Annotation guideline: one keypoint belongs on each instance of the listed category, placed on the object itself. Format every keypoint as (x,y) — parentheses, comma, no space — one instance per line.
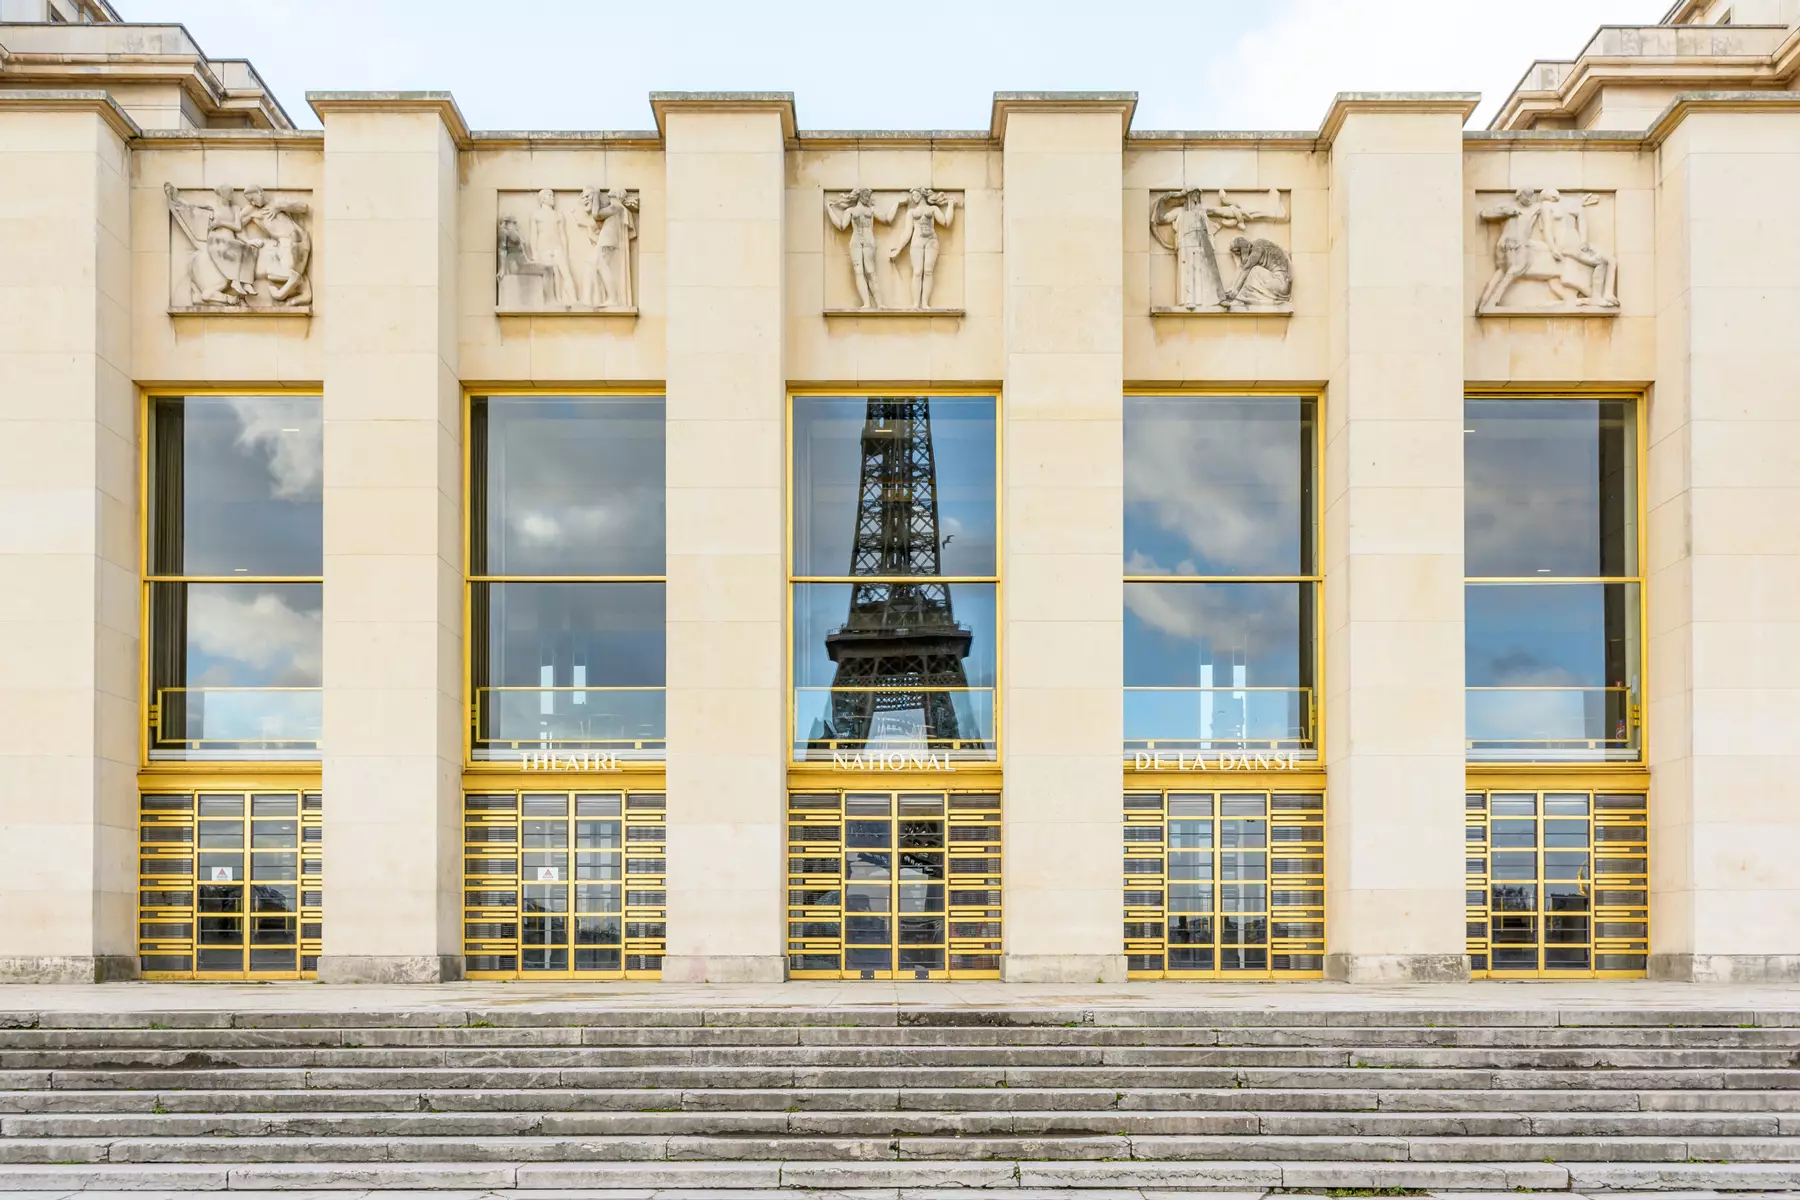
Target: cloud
(258,638)
(1262,620)
(289,431)
(1226,487)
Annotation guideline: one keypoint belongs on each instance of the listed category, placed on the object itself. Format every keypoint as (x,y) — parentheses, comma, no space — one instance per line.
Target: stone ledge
(1286,310)
(889,313)
(1563,310)
(567,312)
(216,310)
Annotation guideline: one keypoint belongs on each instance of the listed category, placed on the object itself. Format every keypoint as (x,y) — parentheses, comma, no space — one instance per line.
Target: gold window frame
(1539,787)
(976,931)
(803,772)
(489,774)
(1618,770)
(643,823)
(158,773)
(1171,777)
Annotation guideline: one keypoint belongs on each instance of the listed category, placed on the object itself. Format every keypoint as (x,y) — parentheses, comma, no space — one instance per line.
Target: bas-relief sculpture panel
(1229,255)
(566,251)
(227,256)
(883,280)
(1552,253)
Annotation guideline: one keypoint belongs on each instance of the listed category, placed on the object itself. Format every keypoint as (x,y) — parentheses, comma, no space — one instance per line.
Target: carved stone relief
(566,251)
(232,256)
(1551,253)
(1229,255)
(902,277)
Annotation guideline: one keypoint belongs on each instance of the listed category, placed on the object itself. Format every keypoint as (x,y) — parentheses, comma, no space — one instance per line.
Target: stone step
(1349,1037)
(1118,1078)
(1069,1147)
(973,1057)
(895,1124)
(1286,1017)
(551,1099)
(692,1177)
(1247,1175)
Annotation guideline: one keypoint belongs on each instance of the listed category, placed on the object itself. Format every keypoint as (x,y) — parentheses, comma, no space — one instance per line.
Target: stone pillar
(68,542)
(1723,676)
(725,156)
(1062,590)
(1393,541)
(393,741)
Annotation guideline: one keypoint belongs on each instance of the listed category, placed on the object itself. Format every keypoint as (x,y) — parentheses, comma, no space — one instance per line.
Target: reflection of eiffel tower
(897,635)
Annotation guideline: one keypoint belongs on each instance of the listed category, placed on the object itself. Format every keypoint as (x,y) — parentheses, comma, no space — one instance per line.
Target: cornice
(236,139)
(1223,139)
(565,139)
(1463,104)
(441,103)
(88,100)
(1687,103)
(895,139)
(663,103)
(1553,139)
(1007,103)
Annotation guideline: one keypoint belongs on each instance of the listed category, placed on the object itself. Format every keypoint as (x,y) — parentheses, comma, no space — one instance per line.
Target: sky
(591,64)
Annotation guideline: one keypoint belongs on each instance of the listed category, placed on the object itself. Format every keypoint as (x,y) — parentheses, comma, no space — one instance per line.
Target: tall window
(566,584)
(1220,584)
(894,570)
(1554,591)
(233,567)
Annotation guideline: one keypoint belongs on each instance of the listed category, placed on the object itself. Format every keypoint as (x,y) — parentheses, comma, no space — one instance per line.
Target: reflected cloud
(571,524)
(1230,616)
(1219,480)
(258,630)
(289,431)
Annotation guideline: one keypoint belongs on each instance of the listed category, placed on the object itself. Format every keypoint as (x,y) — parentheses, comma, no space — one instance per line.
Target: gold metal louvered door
(894,885)
(229,884)
(1225,885)
(564,885)
(1558,884)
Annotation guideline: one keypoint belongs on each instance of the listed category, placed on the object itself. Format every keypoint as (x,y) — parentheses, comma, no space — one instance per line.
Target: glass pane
(1218,665)
(1218,485)
(894,486)
(1551,487)
(905,668)
(566,485)
(572,666)
(1552,671)
(235,670)
(235,485)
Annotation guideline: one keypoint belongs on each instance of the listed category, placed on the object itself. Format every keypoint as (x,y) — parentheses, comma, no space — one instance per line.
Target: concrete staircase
(901,1097)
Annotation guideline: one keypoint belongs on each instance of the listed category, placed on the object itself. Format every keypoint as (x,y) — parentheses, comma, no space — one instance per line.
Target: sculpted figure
(857,211)
(514,260)
(1566,234)
(611,221)
(283,263)
(548,244)
(1197,278)
(1195,224)
(925,211)
(1512,252)
(1546,238)
(232,252)
(235,245)
(1265,274)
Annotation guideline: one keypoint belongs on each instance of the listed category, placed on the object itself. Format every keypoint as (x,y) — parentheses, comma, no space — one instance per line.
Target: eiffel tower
(897,635)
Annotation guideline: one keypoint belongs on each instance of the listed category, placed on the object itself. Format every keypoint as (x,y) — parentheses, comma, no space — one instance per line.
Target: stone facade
(1610,234)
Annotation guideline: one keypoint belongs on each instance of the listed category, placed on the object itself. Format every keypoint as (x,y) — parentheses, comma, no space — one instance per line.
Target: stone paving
(874,1194)
(1511,996)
